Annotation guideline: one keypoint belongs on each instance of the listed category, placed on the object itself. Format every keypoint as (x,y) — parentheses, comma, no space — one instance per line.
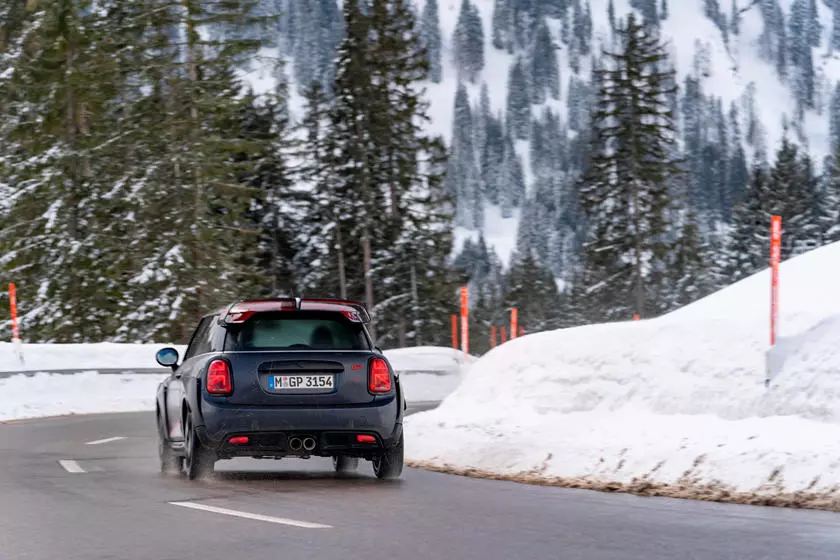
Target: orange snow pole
(454,331)
(521,331)
(13,309)
(504,334)
(775,258)
(492,336)
(514,321)
(465,328)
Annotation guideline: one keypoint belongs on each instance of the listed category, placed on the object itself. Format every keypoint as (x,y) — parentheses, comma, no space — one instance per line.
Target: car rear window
(290,330)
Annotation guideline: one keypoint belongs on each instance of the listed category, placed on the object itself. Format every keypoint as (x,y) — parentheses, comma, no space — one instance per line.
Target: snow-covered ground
(427,374)
(678,400)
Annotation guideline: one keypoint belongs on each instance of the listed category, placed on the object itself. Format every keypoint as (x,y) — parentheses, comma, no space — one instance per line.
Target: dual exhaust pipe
(306,443)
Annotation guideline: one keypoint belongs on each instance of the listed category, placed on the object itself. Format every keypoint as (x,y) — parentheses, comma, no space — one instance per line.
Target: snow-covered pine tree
(830,199)
(418,236)
(746,247)
(545,71)
(738,174)
(512,179)
(611,14)
(463,172)
(834,116)
(502,33)
(814,27)
(794,198)
(663,10)
(518,115)
(532,289)
(468,43)
(431,39)
(735,18)
(624,193)
(492,159)
(835,26)
(201,243)
(688,271)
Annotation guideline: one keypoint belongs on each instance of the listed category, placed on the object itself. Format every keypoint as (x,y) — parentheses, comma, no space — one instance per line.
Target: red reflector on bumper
(238,440)
(362,438)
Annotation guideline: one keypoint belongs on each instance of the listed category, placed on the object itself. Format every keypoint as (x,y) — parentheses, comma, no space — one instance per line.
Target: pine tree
(512,180)
(501,32)
(745,250)
(464,174)
(738,174)
(663,10)
(545,71)
(611,14)
(689,269)
(835,29)
(794,198)
(532,289)
(624,193)
(518,115)
(814,27)
(830,199)
(431,39)
(468,43)
(834,116)
(735,18)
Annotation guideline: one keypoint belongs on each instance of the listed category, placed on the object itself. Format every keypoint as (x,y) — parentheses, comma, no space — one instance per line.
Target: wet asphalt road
(121,508)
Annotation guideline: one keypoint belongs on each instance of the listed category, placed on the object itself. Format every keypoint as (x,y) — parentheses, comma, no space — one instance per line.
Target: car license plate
(286,382)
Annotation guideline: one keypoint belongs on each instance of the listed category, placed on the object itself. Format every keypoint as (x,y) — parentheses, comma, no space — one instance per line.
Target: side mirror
(167,357)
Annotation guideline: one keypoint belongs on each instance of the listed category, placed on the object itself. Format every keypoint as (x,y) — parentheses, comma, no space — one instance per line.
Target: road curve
(120,507)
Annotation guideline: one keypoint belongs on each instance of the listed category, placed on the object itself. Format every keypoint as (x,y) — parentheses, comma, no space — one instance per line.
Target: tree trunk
(415,306)
(342,275)
(368,277)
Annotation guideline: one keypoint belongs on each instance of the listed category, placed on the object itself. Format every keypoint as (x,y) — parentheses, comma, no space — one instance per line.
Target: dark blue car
(278,378)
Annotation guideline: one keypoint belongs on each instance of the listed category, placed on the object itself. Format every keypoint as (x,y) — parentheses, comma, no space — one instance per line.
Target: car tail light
(238,440)
(379,376)
(362,438)
(218,378)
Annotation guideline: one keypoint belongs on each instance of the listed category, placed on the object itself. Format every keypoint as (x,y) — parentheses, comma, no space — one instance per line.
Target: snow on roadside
(46,394)
(678,400)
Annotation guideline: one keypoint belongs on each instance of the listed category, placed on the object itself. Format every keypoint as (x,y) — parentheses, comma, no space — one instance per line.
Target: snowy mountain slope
(674,400)
(728,66)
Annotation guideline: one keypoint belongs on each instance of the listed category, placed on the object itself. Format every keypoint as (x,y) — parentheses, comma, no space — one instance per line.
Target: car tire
(389,465)
(199,461)
(170,463)
(343,464)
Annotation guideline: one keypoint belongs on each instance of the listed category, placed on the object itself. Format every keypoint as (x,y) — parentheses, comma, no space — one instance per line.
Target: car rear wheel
(345,464)
(199,461)
(170,463)
(390,464)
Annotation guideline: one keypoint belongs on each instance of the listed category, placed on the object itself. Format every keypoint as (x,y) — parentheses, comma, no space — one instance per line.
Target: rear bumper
(270,429)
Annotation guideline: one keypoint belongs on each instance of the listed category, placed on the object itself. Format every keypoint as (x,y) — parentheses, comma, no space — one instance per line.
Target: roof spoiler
(241,311)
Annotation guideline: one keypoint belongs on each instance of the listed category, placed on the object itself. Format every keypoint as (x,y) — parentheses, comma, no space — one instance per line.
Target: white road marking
(71,466)
(106,440)
(254,516)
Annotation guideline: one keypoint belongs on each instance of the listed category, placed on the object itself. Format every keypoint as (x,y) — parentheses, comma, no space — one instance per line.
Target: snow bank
(676,400)
(427,374)
(54,394)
